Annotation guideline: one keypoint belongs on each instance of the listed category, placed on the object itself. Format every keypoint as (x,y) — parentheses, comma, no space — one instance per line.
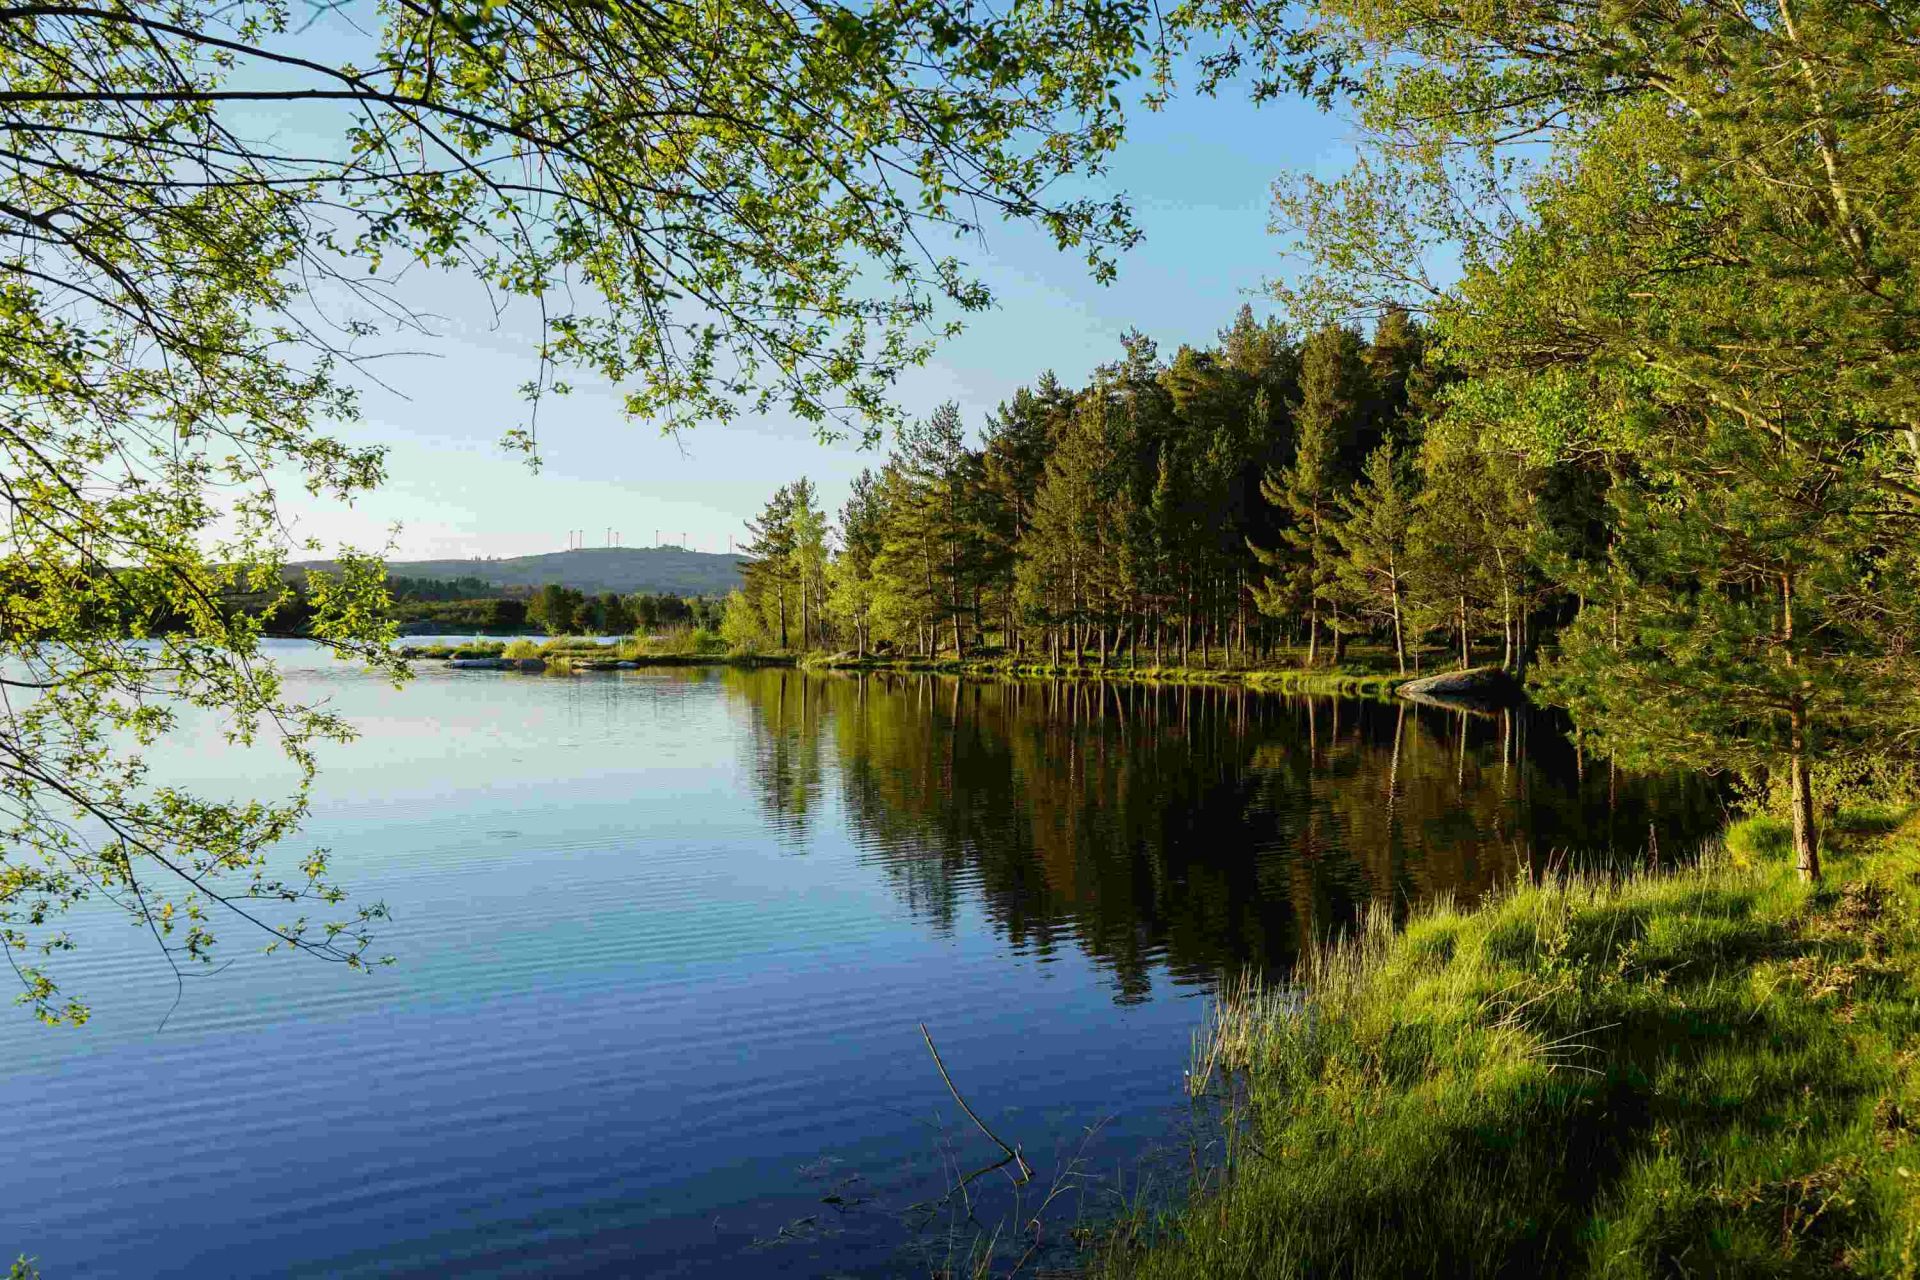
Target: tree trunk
(1806,833)
(1313,632)
(1466,645)
(1506,621)
(1399,640)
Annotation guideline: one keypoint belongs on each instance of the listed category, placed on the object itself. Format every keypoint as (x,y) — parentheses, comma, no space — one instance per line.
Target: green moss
(1706,1072)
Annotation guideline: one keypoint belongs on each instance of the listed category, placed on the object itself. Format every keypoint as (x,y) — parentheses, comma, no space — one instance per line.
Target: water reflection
(1197,827)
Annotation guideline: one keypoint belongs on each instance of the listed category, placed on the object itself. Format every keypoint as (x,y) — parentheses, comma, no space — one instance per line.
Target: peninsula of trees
(1269,490)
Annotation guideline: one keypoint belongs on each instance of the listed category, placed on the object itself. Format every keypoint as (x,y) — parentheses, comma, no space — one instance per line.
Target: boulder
(1474,687)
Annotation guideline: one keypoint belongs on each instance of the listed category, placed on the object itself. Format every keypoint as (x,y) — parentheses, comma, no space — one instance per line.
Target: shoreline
(1475,688)
(1284,680)
(1707,1067)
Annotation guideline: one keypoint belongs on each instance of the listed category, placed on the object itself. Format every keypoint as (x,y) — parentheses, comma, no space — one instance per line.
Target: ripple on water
(665,942)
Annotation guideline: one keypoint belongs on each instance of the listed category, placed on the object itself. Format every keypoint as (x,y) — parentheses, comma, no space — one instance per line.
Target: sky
(1198,173)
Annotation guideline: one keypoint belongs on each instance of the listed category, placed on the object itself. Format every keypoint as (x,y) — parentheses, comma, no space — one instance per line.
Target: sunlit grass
(1358,681)
(1705,1072)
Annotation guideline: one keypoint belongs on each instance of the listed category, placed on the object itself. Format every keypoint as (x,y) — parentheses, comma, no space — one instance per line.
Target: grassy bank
(1705,1072)
(567,653)
(563,655)
(1360,681)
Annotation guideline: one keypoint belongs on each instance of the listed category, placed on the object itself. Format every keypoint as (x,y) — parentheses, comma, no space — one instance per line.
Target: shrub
(741,627)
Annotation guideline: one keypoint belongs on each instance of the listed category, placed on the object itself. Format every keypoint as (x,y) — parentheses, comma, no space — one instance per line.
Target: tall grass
(1703,1072)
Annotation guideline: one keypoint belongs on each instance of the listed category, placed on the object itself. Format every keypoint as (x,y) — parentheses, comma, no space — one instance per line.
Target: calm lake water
(665,939)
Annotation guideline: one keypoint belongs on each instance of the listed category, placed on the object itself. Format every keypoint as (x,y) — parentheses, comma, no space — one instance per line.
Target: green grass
(1359,681)
(565,653)
(1698,1073)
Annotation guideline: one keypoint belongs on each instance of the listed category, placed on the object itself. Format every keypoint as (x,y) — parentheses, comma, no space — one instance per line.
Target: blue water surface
(665,941)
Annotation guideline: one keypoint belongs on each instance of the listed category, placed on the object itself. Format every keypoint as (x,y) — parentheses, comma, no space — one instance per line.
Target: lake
(666,938)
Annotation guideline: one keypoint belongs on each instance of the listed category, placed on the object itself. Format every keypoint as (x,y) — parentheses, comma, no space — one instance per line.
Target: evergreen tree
(1074,573)
(769,564)
(906,598)
(1333,398)
(851,575)
(1374,540)
(944,489)
(1013,460)
(807,560)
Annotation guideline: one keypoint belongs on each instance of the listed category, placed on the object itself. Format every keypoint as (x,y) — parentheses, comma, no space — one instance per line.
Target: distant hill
(591,569)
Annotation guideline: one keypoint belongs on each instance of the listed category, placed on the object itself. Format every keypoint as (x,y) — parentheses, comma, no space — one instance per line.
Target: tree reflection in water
(1203,828)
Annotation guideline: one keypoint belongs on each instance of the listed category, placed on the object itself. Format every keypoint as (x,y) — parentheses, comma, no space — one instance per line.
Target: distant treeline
(462,605)
(467,588)
(560,610)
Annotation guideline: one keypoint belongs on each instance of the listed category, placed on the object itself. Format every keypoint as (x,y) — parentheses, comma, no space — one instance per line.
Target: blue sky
(1198,173)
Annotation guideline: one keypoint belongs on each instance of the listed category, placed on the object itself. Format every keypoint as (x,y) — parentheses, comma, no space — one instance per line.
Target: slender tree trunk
(1313,632)
(1466,645)
(1506,620)
(1806,833)
(1399,641)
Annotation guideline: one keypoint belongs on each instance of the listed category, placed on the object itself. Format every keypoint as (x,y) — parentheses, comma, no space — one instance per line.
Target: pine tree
(807,559)
(906,600)
(933,454)
(851,574)
(1373,540)
(1333,391)
(768,570)
(1074,571)
(1012,463)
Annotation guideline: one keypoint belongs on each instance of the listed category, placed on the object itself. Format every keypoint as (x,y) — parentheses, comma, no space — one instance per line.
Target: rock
(1476,686)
